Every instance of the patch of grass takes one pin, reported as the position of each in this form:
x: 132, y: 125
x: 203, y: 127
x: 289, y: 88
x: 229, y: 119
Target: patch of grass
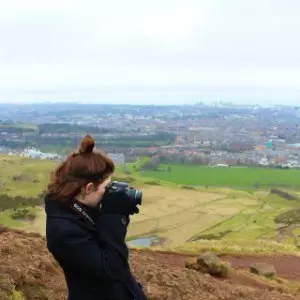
x: 188, y: 187
x: 296, y: 231
x: 229, y: 177
x: 24, y: 213
x: 23, y: 176
x: 214, y: 236
x: 39, y: 223
x: 254, y: 221
x: 7, y: 220
x: 244, y: 246
x: 290, y: 217
x: 135, y: 166
x: 17, y: 295
x: 152, y: 182
x: 17, y: 218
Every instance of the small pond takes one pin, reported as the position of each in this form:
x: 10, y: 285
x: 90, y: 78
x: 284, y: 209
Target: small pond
x: 143, y: 242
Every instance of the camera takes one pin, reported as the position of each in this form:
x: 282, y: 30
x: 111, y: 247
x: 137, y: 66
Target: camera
x: 123, y: 190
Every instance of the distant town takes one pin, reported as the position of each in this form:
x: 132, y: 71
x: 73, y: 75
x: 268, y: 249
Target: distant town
x: 220, y: 135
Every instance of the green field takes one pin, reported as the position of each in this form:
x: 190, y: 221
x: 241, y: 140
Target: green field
x: 241, y: 177
x: 180, y: 216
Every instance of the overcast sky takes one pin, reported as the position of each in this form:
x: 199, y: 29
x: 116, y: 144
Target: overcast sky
x: 155, y: 51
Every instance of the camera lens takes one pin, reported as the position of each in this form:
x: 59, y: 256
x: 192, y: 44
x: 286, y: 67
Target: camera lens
x: 135, y: 196
x: 138, y: 197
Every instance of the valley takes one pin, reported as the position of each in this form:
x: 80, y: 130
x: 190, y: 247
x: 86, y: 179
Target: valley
x: 173, y: 216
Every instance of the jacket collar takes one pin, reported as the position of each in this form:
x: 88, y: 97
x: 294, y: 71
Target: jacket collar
x: 61, y: 210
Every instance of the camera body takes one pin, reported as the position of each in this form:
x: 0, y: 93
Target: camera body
x: 123, y: 190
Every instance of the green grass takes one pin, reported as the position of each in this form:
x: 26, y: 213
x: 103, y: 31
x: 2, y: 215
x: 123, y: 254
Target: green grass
x: 24, y: 176
x: 7, y: 220
x: 256, y: 222
x: 132, y: 167
x: 17, y: 295
x: 228, y: 177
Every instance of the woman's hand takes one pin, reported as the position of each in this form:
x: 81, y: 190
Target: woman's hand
x: 117, y: 204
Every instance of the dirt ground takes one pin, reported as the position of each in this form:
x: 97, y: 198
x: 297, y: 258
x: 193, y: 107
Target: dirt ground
x: 27, y: 266
x: 287, y: 266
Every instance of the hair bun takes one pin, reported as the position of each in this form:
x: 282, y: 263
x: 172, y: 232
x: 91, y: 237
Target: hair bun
x: 87, y: 144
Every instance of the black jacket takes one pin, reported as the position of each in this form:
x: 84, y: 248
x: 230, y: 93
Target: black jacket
x: 94, y: 258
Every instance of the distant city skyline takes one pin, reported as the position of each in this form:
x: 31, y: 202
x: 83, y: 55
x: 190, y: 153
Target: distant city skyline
x: 160, y: 95
x: 156, y: 52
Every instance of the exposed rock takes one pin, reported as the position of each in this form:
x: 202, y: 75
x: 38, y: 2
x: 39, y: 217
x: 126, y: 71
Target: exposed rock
x: 209, y: 263
x: 263, y: 269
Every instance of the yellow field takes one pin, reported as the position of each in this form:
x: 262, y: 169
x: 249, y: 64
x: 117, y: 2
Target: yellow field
x: 177, y: 215
x: 173, y: 214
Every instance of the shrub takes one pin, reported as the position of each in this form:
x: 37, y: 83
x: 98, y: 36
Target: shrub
x: 23, y: 213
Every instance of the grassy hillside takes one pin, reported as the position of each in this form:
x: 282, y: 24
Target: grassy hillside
x: 23, y: 176
x: 178, y: 216
x: 22, y: 182
x: 20, y: 176
x: 238, y: 177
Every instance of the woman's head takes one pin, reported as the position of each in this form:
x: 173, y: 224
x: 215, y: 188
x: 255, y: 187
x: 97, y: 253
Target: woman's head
x: 83, y: 175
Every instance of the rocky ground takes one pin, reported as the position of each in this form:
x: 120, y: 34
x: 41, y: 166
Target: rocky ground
x: 28, y: 269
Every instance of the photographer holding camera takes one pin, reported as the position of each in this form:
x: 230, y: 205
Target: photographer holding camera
x: 87, y: 219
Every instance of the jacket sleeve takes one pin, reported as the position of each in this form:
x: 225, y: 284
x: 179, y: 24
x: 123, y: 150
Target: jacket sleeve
x: 112, y: 230
x: 77, y: 251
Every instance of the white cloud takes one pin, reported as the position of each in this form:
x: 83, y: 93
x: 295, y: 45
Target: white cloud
x: 50, y: 45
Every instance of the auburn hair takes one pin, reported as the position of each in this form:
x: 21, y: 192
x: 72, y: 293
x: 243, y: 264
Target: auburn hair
x: 78, y: 169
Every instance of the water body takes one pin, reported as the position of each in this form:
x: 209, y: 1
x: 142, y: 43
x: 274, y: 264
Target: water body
x: 144, y: 242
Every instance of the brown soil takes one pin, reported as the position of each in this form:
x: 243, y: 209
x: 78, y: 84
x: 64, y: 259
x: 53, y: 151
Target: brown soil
x: 26, y: 265
x: 287, y: 266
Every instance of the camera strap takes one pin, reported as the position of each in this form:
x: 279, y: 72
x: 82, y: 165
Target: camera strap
x: 75, y: 206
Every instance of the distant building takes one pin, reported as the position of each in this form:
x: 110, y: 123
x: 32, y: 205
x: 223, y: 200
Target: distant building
x: 37, y: 154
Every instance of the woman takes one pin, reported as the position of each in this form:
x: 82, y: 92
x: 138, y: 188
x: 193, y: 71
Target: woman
x: 89, y: 244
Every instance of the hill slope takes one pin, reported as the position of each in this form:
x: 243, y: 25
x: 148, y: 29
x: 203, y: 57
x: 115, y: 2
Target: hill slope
x: 29, y: 272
